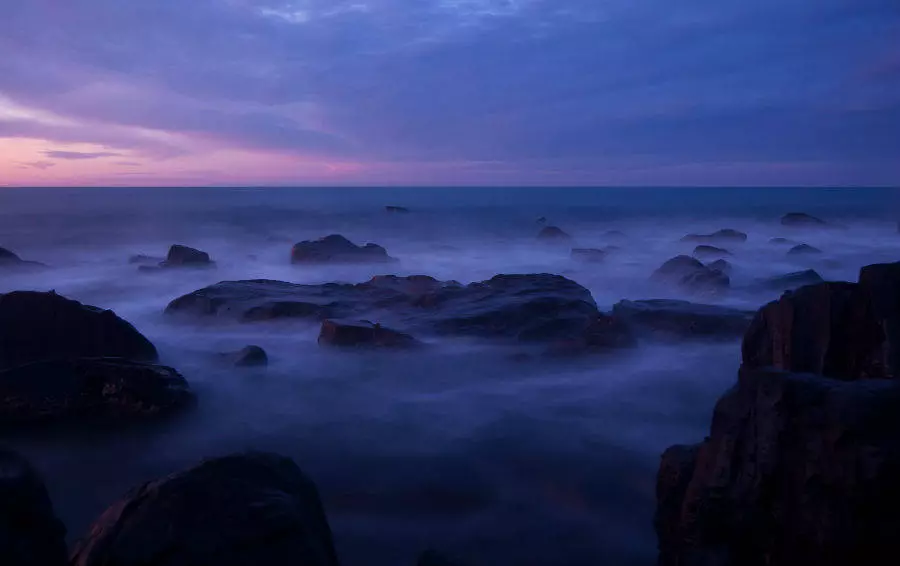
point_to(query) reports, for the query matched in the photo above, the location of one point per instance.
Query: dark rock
(726, 235)
(541, 220)
(880, 283)
(682, 320)
(803, 249)
(801, 219)
(677, 268)
(30, 532)
(397, 209)
(588, 255)
(692, 276)
(142, 259)
(9, 259)
(43, 326)
(248, 356)
(721, 265)
(240, 510)
(89, 389)
(710, 251)
(551, 233)
(183, 256)
(434, 558)
(337, 249)
(797, 469)
(829, 329)
(363, 334)
(782, 241)
(8, 256)
(790, 281)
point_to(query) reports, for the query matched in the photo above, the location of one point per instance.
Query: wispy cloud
(42, 165)
(56, 154)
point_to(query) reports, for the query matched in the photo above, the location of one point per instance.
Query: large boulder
(880, 283)
(829, 329)
(724, 236)
(90, 389)
(337, 249)
(677, 268)
(797, 469)
(692, 276)
(707, 251)
(37, 326)
(363, 334)
(803, 249)
(667, 320)
(248, 356)
(801, 219)
(30, 532)
(184, 256)
(789, 281)
(240, 510)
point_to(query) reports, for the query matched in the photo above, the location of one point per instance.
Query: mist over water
(457, 447)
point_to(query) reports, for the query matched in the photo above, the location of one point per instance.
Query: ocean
(456, 447)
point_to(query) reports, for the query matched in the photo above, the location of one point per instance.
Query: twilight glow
(444, 92)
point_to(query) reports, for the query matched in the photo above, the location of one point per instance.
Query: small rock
(782, 241)
(183, 256)
(249, 356)
(141, 259)
(803, 249)
(337, 249)
(726, 235)
(362, 333)
(397, 209)
(710, 251)
(790, 281)
(721, 265)
(551, 233)
(801, 219)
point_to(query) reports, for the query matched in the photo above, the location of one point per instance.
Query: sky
(450, 92)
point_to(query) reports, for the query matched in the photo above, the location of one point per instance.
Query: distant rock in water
(721, 265)
(141, 259)
(670, 320)
(9, 260)
(337, 249)
(38, 326)
(553, 233)
(8, 256)
(790, 281)
(704, 250)
(801, 219)
(726, 235)
(691, 275)
(396, 209)
(541, 220)
(588, 255)
(678, 267)
(30, 532)
(363, 334)
(803, 249)
(183, 256)
(89, 389)
(782, 241)
(239, 510)
(248, 356)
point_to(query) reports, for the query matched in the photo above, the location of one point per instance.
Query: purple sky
(608, 92)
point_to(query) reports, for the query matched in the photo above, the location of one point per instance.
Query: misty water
(460, 446)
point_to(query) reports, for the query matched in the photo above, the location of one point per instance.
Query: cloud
(77, 155)
(42, 165)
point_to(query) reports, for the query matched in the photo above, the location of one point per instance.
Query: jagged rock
(721, 265)
(183, 256)
(240, 510)
(363, 334)
(668, 320)
(248, 356)
(337, 249)
(726, 235)
(89, 389)
(551, 233)
(801, 219)
(710, 251)
(30, 532)
(829, 329)
(797, 469)
(588, 255)
(38, 326)
(803, 249)
(396, 209)
(790, 281)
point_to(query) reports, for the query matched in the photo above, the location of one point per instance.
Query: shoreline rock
(801, 219)
(337, 249)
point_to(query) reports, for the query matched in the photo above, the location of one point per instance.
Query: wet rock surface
(363, 334)
(880, 284)
(337, 249)
(671, 320)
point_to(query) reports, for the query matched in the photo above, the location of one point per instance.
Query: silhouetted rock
(797, 469)
(803, 249)
(141, 259)
(553, 233)
(8, 256)
(363, 334)
(710, 251)
(801, 219)
(880, 284)
(30, 532)
(541, 220)
(434, 558)
(721, 265)
(782, 241)
(829, 329)
(588, 255)
(89, 389)
(10, 260)
(183, 256)
(337, 249)
(248, 356)
(692, 276)
(663, 319)
(397, 209)
(724, 236)
(38, 326)
(677, 268)
(240, 510)
(789, 281)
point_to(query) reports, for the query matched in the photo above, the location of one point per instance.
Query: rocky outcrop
(801, 219)
(669, 320)
(724, 236)
(363, 334)
(239, 510)
(803, 249)
(248, 356)
(797, 469)
(782, 241)
(10, 260)
(38, 326)
(706, 251)
(588, 255)
(553, 233)
(692, 276)
(789, 281)
(337, 249)
(396, 209)
(721, 265)
(183, 256)
(90, 389)
(30, 532)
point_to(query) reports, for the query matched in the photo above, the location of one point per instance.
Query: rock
(726, 235)
(141, 259)
(803, 249)
(240, 510)
(880, 283)
(183, 256)
(829, 329)
(789, 281)
(363, 334)
(710, 251)
(396, 209)
(782, 241)
(797, 469)
(38, 326)
(434, 558)
(801, 219)
(721, 265)
(8, 256)
(9, 260)
(248, 356)
(337, 249)
(553, 233)
(541, 220)
(30, 532)
(668, 320)
(692, 276)
(588, 255)
(677, 268)
(90, 389)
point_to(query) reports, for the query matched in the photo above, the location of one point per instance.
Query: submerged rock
(662, 319)
(726, 235)
(551, 233)
(396, 209)
(141, 259)
(248, 356)
(30, 532)
(184, 256)
(782, 241)
(363, 334)
(337, 249)
(37, 326)
(692, 276)
(240, 510)
(803, 249)
(721, 265)
(790, 281)
(710, 251)
(589, 255)
(677, 268)
(801, 219)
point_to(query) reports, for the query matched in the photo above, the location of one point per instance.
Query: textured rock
(801, 219)
(724, 236)
(692, 276)
(710, 251)
(183, 256)
(337, 249)
(240, 510)
(553, 233)
(803, 249)
(38, 326)
(677, 268)
(248, 356)
(363, 334)
(663, 319)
